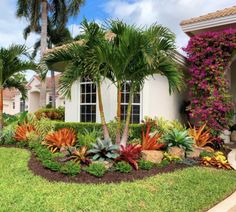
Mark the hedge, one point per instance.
(80, 126)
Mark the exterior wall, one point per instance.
(155, 101)
(8, 107)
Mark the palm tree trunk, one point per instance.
(53, 89)
(1, 99)
(43, 45)
(101, 110)
(127, 122)
(118, 113)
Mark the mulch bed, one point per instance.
(110, 177)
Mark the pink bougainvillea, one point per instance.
(209, 55)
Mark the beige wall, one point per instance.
(155, 101)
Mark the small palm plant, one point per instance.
(104, 150)
(181, 139)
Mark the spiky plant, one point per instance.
(130, 154)
(61, 138)
(23, 131)
(201, 135)
(104, 150)
(181, 139)
(150, 141)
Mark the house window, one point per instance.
(50, 100)
(88, 100)
(22, 105)
(135, 111)
(13, 105)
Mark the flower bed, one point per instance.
(66, 155)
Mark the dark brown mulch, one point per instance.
(110, 177)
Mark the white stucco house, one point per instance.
(153, 99)
(13, 103)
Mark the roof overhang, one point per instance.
(215, 24)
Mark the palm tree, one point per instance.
(133, 55)
(37, 12)
(129, 55)
(56, 36)
(76, 56)
(11, 64)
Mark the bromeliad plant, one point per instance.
(22, 132)
(61, 138)
(201, 136)
(104, 150)
(130, 154)
(150, 141)
(179, 139)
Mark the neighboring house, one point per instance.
(216, 21)
(13, 104)
(34, 86)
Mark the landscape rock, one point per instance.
(195, 153)
(153, 156)
(176, 152)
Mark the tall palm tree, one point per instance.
(130, 55)
(37, 12)
(56, 36)
(133, 55)
(11, 64)
(76, 55)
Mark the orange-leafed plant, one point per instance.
(201, 136)
(150, 142)
(61, 138)
(23, 131)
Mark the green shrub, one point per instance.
(123, 167)
(88, 137)
(144, 164)
(176, 138)
(70, 168)
(96, 169)
(79, 127)
(51, 113)
(8, 133)
(163, 163)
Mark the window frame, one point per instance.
(93, 116)
(123, 117)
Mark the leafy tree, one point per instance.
(37, 12)
(11, 65)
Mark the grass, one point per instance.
(192, 189)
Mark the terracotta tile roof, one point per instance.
(218, 14)
(108, 36)
(48, 82)
(8, 94)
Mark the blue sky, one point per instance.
(140, 12)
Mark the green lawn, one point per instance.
(193, 189)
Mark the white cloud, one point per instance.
(168, 13)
